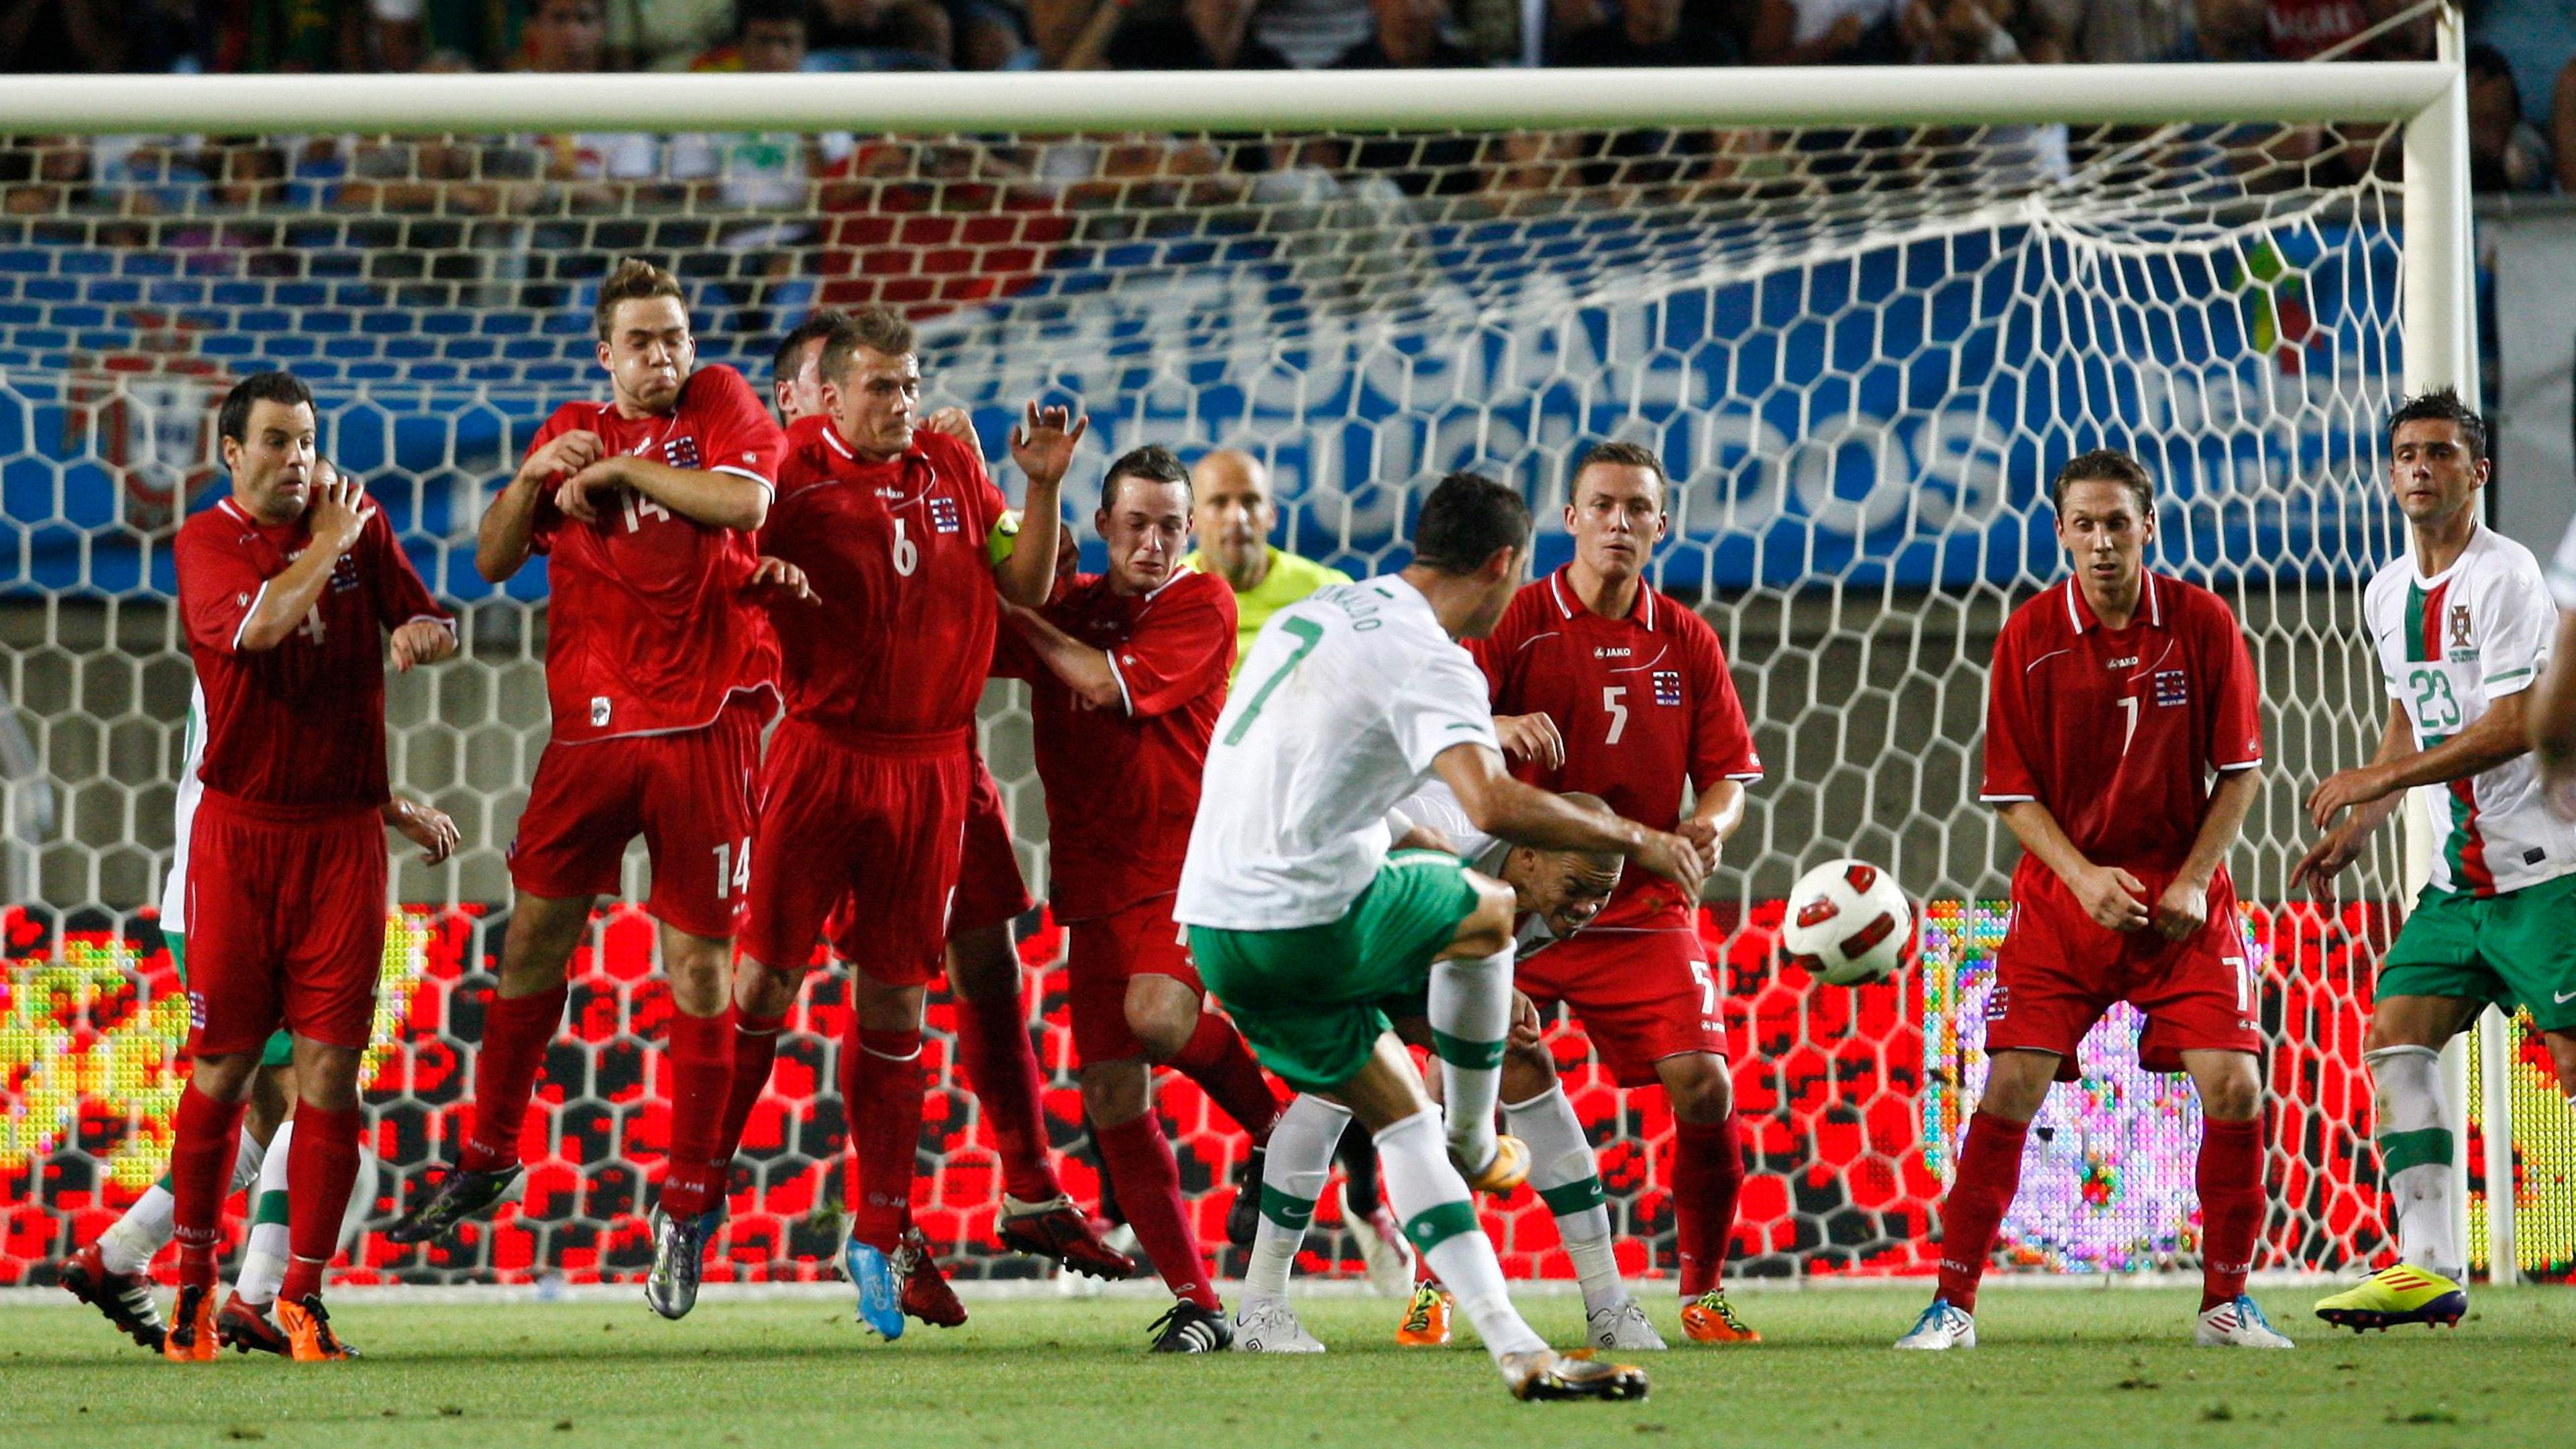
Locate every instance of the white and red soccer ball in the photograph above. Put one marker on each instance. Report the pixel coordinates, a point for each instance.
(1848, 924)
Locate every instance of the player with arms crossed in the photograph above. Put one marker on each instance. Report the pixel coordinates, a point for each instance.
(2462, 629)
(286, 589)
(1305, 926)
(1604, 685)
(656, 675)
(1127, 672)
(864, 793)
(2112, 700)
(993, 1045)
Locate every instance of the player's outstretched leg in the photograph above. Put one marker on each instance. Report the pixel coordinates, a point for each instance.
(1989, 1175)
(2426, 1285)
(2230, 1179)
(689, 1208)
(1301, 1146)
(1471, 1013)
(1708, 1178)
(882, 1081)
(1565, 1176)
(203, 1142)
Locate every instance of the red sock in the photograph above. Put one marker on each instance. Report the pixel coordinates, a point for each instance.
(1216, 1058)
(1708, 1176)
(701, 1062)
(1002, 1070)
(516, 1032)
(1139, 1159)
(321, 1166)
(1989, 1175)
(882, 1092)
(2231, 1207)
(755, 1051)
(203, 1141)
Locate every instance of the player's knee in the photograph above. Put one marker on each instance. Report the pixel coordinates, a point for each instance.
(760, 990)
(1488, 928)
(982, 966)
(1114, 1093)
(2233, 1091)
(325, 1075)
(2016, 1084)
(225, 1078)
(2562, 1054)
(1698, 1085)
(1162, 1014)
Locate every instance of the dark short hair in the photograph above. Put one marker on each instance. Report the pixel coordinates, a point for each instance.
(877, 329)
(1620, 455)
(632, 280)
(1153, 463)
(2442, 405)
(790, 356)
(233, 421)
(748, 13)
(2106, 465)
(1465, 519)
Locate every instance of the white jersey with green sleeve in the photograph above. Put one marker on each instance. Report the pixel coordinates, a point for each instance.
(2451, 646)
(1347, 697)
(183, 818)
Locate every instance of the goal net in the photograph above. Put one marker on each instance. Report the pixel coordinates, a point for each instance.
(1861, 349)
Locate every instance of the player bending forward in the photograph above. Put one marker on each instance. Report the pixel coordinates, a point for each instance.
(1555, 893)
(2113, 698)
(1307, 928)
(2463, 629)
(286, 588)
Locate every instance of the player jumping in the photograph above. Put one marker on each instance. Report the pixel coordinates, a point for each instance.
(2113, 697)
(2462, 629)
(1305, 926)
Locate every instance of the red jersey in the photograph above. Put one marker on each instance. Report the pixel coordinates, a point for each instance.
(647, 630)
(897, 552)
(1643, 702)
(300, 727)
(1122, 784)
(2118, 733)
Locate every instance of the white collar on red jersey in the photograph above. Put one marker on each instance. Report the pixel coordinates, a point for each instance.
(1567, 605)
(2079, 615)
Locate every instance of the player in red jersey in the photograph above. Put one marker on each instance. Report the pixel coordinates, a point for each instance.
(993, 1045)
(865, 790)
(286, 588)
(1128, 673)
(656, 668)
(2113, 699)
(1603, 685)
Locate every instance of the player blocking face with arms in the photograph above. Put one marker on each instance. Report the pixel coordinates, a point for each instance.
(1307, 928)
(288, 589)
(2463, 631)
(2113, 697)
(1602, 684)
(656, 675)
(864, 792)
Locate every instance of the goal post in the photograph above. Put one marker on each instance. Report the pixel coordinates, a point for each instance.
(1862, 313)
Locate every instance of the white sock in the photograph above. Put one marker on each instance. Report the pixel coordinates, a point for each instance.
(1428, 1194)
(1566, 1178)
(1295, 1165)
(263, 1262)
(2415, 1154)
(1471, 1012)
(131, 1243)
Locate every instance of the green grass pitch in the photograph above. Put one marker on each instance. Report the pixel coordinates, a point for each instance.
(2103, 1370)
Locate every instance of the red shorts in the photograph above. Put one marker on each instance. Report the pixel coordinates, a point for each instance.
(2057, 972)
(1641, 996)
(688, 794)
(990, 889)
(876, 831)
(1102, 955)
(286, 925)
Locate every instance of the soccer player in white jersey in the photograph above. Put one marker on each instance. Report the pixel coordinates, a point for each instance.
(2462, 626)
(1555, 893)
(1305, 926)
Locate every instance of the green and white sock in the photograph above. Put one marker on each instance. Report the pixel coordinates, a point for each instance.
(1299, 1159)
(1440, 1218)
(131, 1242)
(263, 1263)
(1471, 1012)
(2415, 1154)
(1566, 1177)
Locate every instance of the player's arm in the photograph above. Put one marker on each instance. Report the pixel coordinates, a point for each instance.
(1722, 757)
(2494, 738)
(2341, 843)
(1498, 805)
(508, 532)
(2185, 905)
(2553, 721)
(712, 496)
(1084, 670)
(1042, 445)
(2108, 895)
(337, 516)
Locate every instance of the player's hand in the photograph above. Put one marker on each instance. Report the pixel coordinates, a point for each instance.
(778, 573)
(1702, 833)
(2182, 910)
(2110, 897)
(575, 494)
(1531, 737)
(568, 454)
(426, 826)
(957, 423)
(422, 641)
(2325, 860)
(2346, 788)
(1673, 858)
(1042, 444)
(338, 513)
(1526, 1028)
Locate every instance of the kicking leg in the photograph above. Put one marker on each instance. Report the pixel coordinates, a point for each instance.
(1989, 1174)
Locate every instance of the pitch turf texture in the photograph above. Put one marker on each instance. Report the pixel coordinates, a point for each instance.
(2103, 1370)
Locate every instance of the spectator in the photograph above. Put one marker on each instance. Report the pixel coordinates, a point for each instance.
(760, 171)
(1826, 32)
(1959, 32)
(2506, 152)
(664, 34)
(597, 168)
(1637, 32)
(1142, 35)
(884, 34)
(2302, 28)
(2538, 39)
(768, 36)
(1339, 34)
(2108, 32)
(2230, 30)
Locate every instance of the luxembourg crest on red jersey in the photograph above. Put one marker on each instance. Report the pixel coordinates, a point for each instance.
(681, 453)
(2173, 687)
(1668, 686)
(944, 515)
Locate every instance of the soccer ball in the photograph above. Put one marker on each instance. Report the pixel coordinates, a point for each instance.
(1849, 924)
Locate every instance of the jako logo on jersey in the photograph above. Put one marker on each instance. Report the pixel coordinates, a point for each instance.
(1668, 686)
(681, 452)
(2172, 687)
(2128, 662)
(943, 515)
(1605, 652)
